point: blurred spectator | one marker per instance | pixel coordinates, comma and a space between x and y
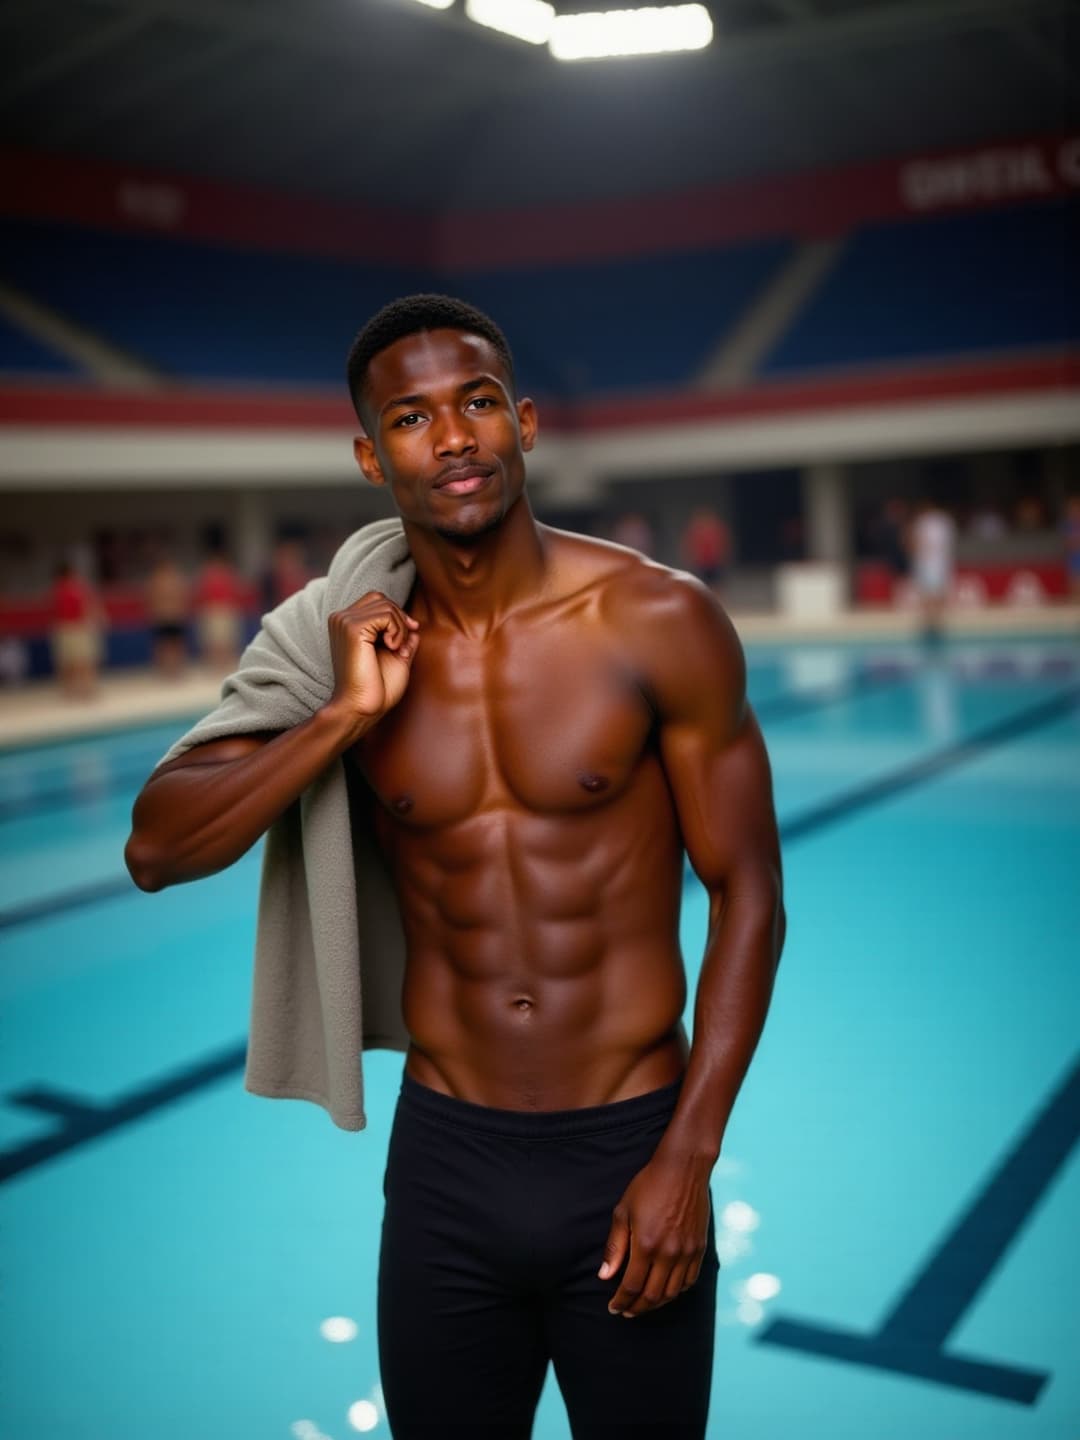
987, 523
14, 652
706, 546
1070, 526
287, 573
634, 531
14, 660
894, 543
1030, 514
78, 619
167, 610
933, 547
219, 598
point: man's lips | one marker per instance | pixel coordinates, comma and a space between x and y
465, 480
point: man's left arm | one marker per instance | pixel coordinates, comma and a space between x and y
718, 770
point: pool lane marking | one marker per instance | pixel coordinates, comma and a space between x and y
48, 906
802, 702
911, 1339
776, 708
917, 772
83, 1120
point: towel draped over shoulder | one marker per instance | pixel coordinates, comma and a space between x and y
329, 946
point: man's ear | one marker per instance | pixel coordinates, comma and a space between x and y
527, 422
364, 454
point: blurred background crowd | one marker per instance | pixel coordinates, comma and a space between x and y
175, 595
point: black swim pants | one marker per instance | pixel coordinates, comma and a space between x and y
493, 1232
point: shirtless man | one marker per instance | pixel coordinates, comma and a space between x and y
542, 729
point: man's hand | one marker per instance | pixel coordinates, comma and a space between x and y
663, 1220
372, 646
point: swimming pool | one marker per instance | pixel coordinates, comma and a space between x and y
897, 1192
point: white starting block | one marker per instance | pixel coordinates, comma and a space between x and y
811, 590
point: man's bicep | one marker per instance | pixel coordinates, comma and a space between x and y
694, 672
723, 797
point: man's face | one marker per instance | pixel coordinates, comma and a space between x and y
444, 432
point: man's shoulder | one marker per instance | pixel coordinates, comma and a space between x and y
655, 597
661, 618
626, 577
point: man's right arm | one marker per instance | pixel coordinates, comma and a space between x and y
200, 812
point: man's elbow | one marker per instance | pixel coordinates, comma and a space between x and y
768, 890
142, 864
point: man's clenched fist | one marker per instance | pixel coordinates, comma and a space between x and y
372, 646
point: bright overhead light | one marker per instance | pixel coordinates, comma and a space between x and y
436, 4
650, 30
524, 19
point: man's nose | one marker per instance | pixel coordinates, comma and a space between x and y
453, 434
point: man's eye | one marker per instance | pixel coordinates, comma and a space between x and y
405, 421
481, 400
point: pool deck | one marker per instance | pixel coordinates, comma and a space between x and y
38, 712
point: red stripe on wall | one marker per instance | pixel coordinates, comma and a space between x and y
43, 185
839, 392
214, 410
178, 409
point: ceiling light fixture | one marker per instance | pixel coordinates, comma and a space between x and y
650, 30
529, 20
436, 4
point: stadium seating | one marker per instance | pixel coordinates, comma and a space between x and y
920, 290
202, 312
21, 354
624, 324
209, 313
932, 288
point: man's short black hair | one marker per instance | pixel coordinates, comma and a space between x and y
411, 315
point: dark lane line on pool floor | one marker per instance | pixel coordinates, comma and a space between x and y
76, 899
774, 708
918, 772
86, 1120
929, 1306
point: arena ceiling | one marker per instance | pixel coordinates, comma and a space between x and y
388, 102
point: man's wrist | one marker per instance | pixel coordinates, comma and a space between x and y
693, 1150
342, 725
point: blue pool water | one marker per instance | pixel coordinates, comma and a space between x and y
896, 1199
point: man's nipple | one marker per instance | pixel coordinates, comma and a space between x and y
402, 804
592, 782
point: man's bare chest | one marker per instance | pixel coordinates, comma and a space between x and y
545, 723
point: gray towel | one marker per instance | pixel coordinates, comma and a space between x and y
329, 926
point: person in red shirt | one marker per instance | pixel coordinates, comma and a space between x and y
707, 546
287, 573
76, 636
219, 601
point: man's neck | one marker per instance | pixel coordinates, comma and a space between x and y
473, 586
